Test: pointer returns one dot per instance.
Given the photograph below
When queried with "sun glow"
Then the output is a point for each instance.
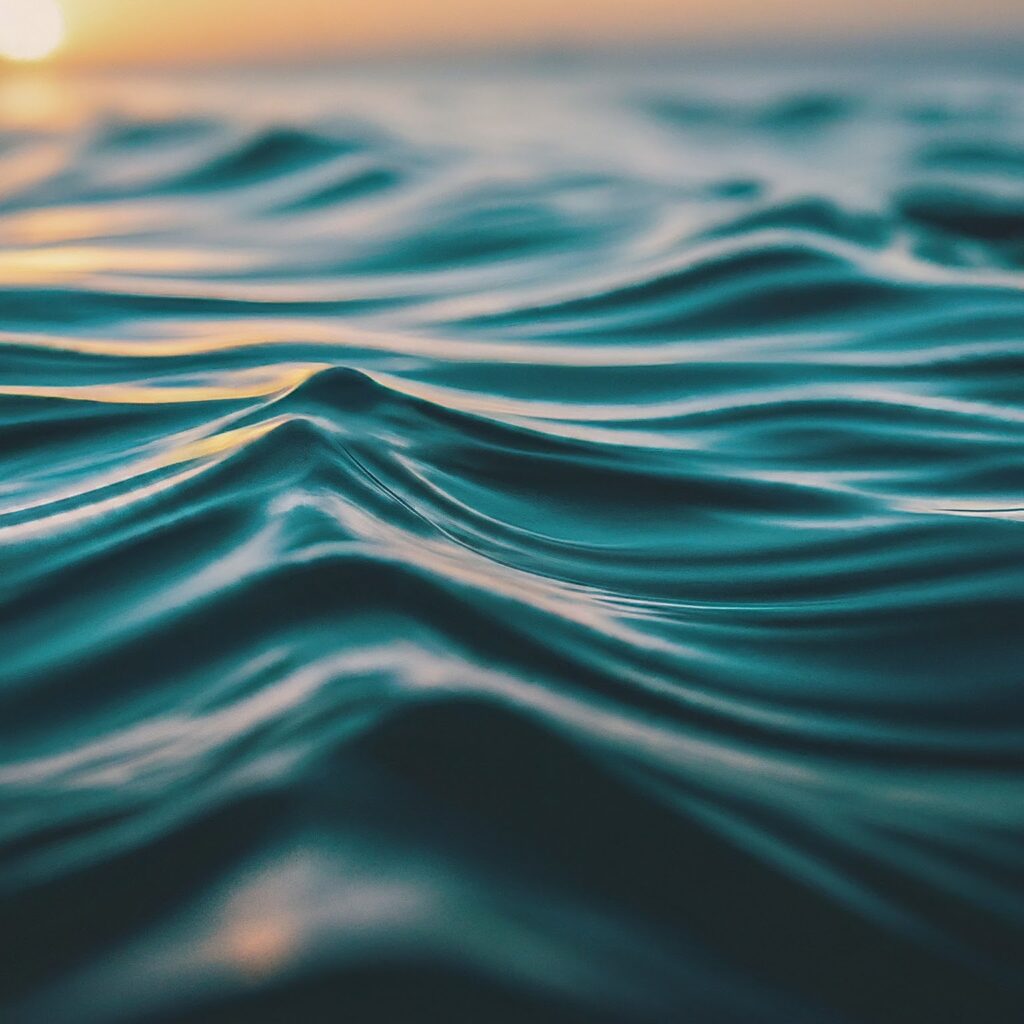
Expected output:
(30, 29)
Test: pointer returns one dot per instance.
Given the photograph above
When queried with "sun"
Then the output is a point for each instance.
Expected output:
(30, 29)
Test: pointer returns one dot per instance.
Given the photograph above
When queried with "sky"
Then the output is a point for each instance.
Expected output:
(149, 32)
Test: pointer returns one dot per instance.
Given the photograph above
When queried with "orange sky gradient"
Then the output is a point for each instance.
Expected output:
(161, 32)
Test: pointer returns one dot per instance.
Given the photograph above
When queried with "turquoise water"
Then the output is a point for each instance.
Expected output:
(513, 543)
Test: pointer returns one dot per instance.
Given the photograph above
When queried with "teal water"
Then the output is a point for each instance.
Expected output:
(513, 543)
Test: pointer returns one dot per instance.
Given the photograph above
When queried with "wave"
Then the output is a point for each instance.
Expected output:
(269, 154)
(801, 112)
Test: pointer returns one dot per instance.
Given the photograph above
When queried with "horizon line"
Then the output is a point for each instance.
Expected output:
(957, 47)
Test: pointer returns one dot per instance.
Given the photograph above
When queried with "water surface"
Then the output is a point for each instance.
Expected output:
(513, 543)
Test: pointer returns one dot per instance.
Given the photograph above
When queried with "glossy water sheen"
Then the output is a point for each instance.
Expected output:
(526, 544)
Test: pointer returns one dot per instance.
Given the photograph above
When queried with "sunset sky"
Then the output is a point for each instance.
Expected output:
(202, 31)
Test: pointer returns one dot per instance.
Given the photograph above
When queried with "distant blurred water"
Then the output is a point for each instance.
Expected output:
(523, 543)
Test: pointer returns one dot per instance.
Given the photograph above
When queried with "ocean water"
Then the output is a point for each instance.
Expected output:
(496, 542)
